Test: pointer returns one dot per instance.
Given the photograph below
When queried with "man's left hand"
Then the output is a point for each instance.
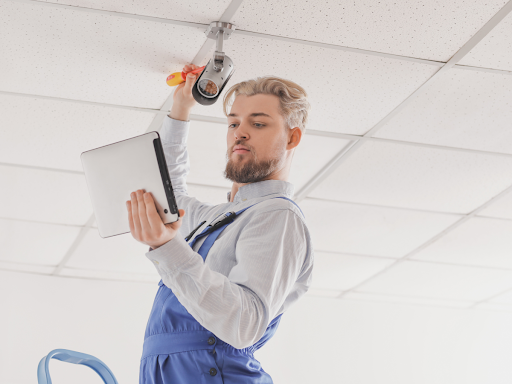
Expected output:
(146, 225)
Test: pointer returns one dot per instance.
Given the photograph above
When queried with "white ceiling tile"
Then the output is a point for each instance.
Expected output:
(464, 109)
(502, 207)
(120, 253)
(47, 246)
(53, 134)
(495, 50)
(410, 176)
(351, 95)
(109, 275)
(197, 11)
(44, 196)
(341, 272)
(366, 230)
(322, 293)
(89, 56)
(213, 195)
(207, 154)
(407, 300)
(427, 29)
(29, 268)
(312, 154)
(416, 278)
(478, 241)
(206, 147)
(494, 307)
(505, 298)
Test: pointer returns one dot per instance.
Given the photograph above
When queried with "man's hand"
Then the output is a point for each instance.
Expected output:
(146, 225)
(183, 101)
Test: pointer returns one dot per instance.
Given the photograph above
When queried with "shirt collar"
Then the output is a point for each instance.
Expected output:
(263, 188)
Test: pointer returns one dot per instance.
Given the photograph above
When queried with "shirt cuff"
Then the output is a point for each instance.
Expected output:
(174, 131)
(173, 256)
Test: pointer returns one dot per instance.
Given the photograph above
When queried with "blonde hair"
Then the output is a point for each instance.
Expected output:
(293, 102)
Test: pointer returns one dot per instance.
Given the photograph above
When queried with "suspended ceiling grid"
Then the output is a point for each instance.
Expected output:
(395, 175)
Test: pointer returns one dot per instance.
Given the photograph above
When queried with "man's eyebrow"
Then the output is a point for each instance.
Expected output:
(252, 114)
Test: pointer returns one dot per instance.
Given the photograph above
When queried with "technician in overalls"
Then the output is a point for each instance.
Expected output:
(229, 271)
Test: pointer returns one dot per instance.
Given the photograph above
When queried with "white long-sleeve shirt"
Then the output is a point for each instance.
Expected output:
(259, 265)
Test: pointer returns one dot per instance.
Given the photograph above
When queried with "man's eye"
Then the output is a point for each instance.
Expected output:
(230, 125)
(259, 125)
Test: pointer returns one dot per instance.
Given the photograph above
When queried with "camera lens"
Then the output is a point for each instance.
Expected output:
(207, 88)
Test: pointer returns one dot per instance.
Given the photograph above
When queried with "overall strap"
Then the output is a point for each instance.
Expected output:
(214, 231)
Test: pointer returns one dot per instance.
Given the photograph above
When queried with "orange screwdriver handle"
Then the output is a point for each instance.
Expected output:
(177, 78)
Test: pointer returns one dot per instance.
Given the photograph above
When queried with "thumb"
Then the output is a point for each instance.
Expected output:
(189, 83)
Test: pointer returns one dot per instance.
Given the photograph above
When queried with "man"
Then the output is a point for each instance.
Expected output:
(246, 262)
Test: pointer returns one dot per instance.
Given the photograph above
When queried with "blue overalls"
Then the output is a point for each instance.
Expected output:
(179, 350)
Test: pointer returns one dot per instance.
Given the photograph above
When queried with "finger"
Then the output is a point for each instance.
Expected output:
(143, 216)
(177, 224)
(130, 218)
(135, 215)
(154, 218)
(187, 68)
(189, 83)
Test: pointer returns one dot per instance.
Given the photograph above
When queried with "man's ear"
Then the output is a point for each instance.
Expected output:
(294, 137)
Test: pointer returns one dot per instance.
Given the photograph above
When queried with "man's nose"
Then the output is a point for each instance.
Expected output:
(240, 133)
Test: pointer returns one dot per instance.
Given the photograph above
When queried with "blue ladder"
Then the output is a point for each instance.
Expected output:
(98, 366)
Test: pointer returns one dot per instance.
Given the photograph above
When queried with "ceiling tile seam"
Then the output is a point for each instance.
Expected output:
(253, 34)
(435, 238)
(483, 69)
(113, 13)
(155, 125)
(74, 246)
(464, 50)
(488, 299)
(93, 270)
(406, 304)
(327, 169)
(401, 296)
(386, 206)
(94, 103)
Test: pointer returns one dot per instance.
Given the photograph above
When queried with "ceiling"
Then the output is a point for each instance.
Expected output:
(403, 174)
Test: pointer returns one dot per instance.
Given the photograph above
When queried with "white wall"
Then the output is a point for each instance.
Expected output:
(319, 340)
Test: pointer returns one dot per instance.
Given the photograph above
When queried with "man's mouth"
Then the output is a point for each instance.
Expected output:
(240, 149)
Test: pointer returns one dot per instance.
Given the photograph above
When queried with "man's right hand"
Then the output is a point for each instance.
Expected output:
(183, 101)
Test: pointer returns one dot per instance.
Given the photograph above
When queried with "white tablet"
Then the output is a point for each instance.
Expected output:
(114, 171)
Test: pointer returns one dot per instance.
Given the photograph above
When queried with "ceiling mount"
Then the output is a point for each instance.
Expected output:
(219, 31)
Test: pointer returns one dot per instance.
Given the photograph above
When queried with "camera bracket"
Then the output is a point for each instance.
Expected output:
(219, 31)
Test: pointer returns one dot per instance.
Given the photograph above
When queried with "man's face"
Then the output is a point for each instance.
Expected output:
(256, 139)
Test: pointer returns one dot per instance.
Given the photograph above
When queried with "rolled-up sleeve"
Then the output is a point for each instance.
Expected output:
(238, 307)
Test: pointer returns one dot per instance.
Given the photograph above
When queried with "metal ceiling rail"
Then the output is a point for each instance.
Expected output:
(345, 153)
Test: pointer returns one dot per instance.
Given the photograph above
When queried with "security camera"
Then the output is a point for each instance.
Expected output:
(219, 69)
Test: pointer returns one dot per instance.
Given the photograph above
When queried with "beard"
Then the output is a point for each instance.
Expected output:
(253, 170)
